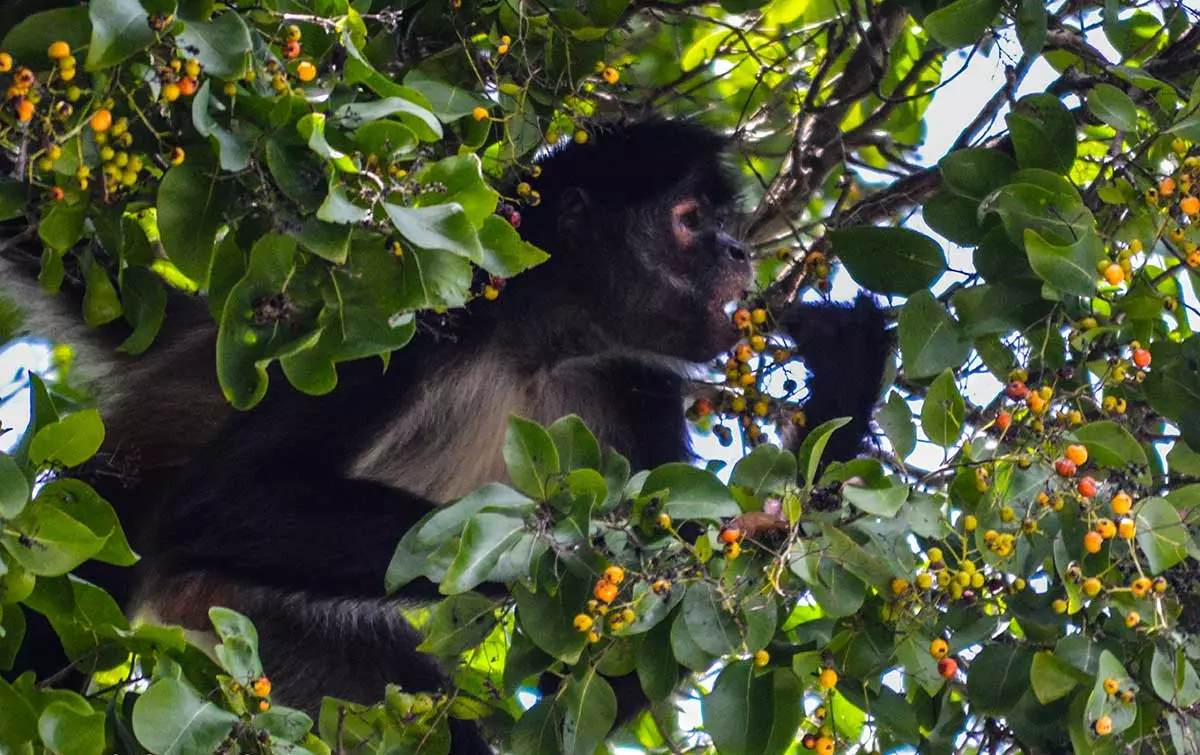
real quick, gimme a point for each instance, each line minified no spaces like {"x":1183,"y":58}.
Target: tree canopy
{"x":327,"y":172}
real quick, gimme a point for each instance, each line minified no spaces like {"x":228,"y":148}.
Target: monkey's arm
{"x":845,"y":349}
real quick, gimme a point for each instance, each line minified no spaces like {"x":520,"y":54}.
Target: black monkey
{"x":290,"y":513}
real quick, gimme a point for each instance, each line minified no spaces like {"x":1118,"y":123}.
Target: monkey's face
{"x":683,"y":267}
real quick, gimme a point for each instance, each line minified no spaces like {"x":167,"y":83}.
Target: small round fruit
{"x":829,"y":678}
{"x":611,"y":75}
{"x":1016,"y":390}
{"x":1077,"y":453}
{"x":939,"y":648}
{"x":1104,"y":726}
{"x":730,"y":535}
{"x":761,"y":658}
{"x":1111,"y":686}
{"x":924,"y":581}
{"x":1141,"y":358}
{"x":1003,"y":421}
{"x":1106,"y":528}
{"x":1126,"y":528}
{"x":1132,"y":619}
{"x":1140,"y":586}
{"x":1114,"y":274}
{"x":970,"y":523}
{"x":935,"y":555}
{"x":1059,"y":606}
{"x":614,"y":574}
{"x":58,"y":50}
{"x":580,"y":137}
{"x":824,"y":746}
{"x":261,"y":687}
{"x":605,"y":591}
{"x":947,"y":668}
{"x":1093,"y":542}
{"x":306,"y":71}
{"x":1091,"y":587}
{"x":583,"y":623}
{"x":479,"y":113}
{"x":171,"y":92}
{"x":809,"y":741}
{"x":1120,"y":504}
{"x":1086,"y":487}
{"x":1065,"y":468}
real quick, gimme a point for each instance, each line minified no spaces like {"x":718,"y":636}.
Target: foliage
{"x":326,"y":173}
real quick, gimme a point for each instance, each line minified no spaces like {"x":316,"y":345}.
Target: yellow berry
{"x":261,"y":686}
{"x":580,"y":137}
{"x":829,"y":678}
{"x":1091,"y":587}
{"x":479,"y":113}
{"x":1060,"y":606}
{"x":614,"y":574}
{"x":939,"y":648}
{"x":171,"y":92}
{"x":761,"y":658}
{"x":177,"y":156}
{"x":970,"y":522}
{"x":1111,"y":686}
{"x":583,"y":622}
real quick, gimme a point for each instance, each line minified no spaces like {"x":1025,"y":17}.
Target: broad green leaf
{"x":170,"y":718}
{"x":691,"y":493}
{"x":27,"y":41}
{"x":1113,"y":106}
{"x":101,"y":305}
{"x":62,"y":227}
{"x":737,"y":713}
{"x":975,"y":172}
{"x":72,"y":727}
{"x":191,"y":207}
{"x":711,"y":625}
{"x":120,"y":29}
{"x":70,"y":441}
{"x":1070,"y":268}
{"x":539,"y":730}
{"x":460,"y":180}
{"x":590,"y":710}
{"x":531,"y":457}
{"x":14,"y":487}
{"x":1174,"y":678}
{"x":1051,"y":678}
{"x":999,"y":675}
{"x":1032,"y":21}
{"x":505,"y":253}
{"x":546,"y":619}
{"x":487,"y":536}
{"x":944,"y":411}
{"x":18,"y":720}
{"x":1100,"y":703}
{"x":962,"y":22}
{"x":424,"y":123}
{"x":449,"y":102}
{"x":577,"y":447}
{"x":889,"y":260}
{"x":764,"y":471}
{"x":312,"y":130}
{"x":442,"y":227}
{"x":896,"y":420}
{"x":931,"y":340}
{"x":457,"y":624}
{"x":144,"y":303}
{"x":222,"y":46}
{"x":50,"y":543}
{"x":1043,"y":133}
{"x":82,"y":503}
{"x":884,"y":499}
{"x":808,"y":458}
{"x":1110,"y":445}
{"x":1160,"y":534}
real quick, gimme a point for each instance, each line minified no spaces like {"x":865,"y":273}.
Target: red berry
{"x":1086,"y":487}
{"x":1065,"y":468}
{"x":703,"y":407}
{"x":1016,"y":390}
{"x":1141,"y":358}
{"x":515,"y":219}
{"x":1003,"y":420}
{"x":947,"y":667}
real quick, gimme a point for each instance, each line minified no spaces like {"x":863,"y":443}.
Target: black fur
{"x":292,"y":511}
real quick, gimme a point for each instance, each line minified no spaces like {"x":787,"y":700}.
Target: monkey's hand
{"x":845,"y":349}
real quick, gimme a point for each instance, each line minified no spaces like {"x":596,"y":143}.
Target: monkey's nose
{"x":738,"y":251}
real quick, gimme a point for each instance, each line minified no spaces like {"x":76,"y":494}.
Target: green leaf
{"x":590,"y":712}
{"x":975,"y":172}
{"x":487,"y":537}
{"x":62,"y":227}
{"x":896,"y":420}
{"x":1161,"y":534}
{"x":882,"y":499}
{"x":458,"y":624}
{"x":577,"y":447}
{"x":14,"y":487}
{"x":691,"y":493}
{"x":460,"y":178}
{"x":748,"y":713}
{"x":312,"y":130}
{"x":1032,"y":20}
{"x":764,"y":471}
{"x":191,"y":208}
{"x":505,"y":253}
{"x":1113,"y":106}
{"x":531,"y":457}
{"x":1174,"y":677}
{"x":120,"y":29}
{"x":710,"y":624}
{"x":546,"y":619}
{"x":808,"y":458}
{"x":931,"y":340}
{"x":1043,"y":133}
{"x":538,"y":732}
{"x":1070,"y":268}
{"x":170,"y":718}
{"x":386,"y":139}
{"x":449,"y":102}
{"x":1101,"y":703}
{"x":1110,"y":445}
{"x":944,"y":411}
{"x":101,"y":304}
{"x":29,"y":39}
{"x":144,"y":304}
{"x":83,"y":504}
{"x":18,"y":720}
{"x":999,"y":675}
{"x":72,"y":728}
{"x":50,"y":543}
{"x":954,"y":217}
{"x":962,"y":22}
{"x":894,"y":261}
{"x":70,"y":441}
{"x":443,"y":227}
{"x":300,"y":176}
{"x":222,"y":46}
{"x":657,"y":669}
{"x":1051,"y":677}
{"x":422,"y":122}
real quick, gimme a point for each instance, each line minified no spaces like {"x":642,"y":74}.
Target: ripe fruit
{"x":1132,"y":619}
{"x":1077,"y":453}
{"x":935,"y":555}
{"x":25,"y":110}
{"x":730,"y":535}
{"x":1120,"y":504}
{"x":1059,"y":606}
{"x":1111,"y":686}
{"x":479,"y":113}
{"x":1160,"y":585}
{"x":809,"y":741}
{"x":661,"y":587}
{"x":261,"y":686}
{"x":1106,"y":528}
{"x":614,"y":574}
{"x":583,"y":623}
{"x":177,"y":156}
{"x":702,"y":407}
{"x":1086,"y":487}
{"x":947,"y":668}
{"x":6,"y":62}
{"x":1114,"y":274}
{"x":1126,"y":528}
{"x":1003,"y":421}
{"x":1065,"y":468}
{"x":1016,"y":390}
{"x":171,"y":92}
{"x":970,"y":522}
{"x":605,"y":591}
{"x":58,"y":50}
{"x":741,"y":317}
{"x":1141,"y":357}
{"x":924,"y":581}
{"x":664,"y":520}
{"x":1104,"y":726}
{"x":291,"y":50}
{"x":1166,"y":187}
{"x":580,"y":137}
{"x":306,"y":71}
{"x":761,"y":658}
{"x":829,"y":678}
{"x":1093,"y":542}
{"x":939,"y":648}
{"x":733,"y":550}
{"x":1091,"y":587}
{"x":824,"y":746}
{"x":611,"y":76}
{"x":1189,"y":205}
{"x":1140,"y":586}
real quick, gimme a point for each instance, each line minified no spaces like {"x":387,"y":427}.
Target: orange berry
{"x":102,"y":120}
{"x":1140,"y":586}
{"x":614,"y":574}
{"x":1065,"y":468}
{"x":824,"y":746}
{"x":1106,"y":528}
{"x":939,"y":648}
{"x":291,"y":50}
{"x":1111,"y":686}
{"x":1092,"y":587}
{"x":605,"y":591}
{"x":479,"y":113}
{"x":188,"y":86}
{"x":1104,"y":726}
{"x":1114,"y":274}
{"x":730,"y":535}
{"x":829,"y":678}
{"x":1016,"y":390}
{"x":58,"y":50}
{"x":1141,"y":358}
{"x":1166,"y":187}
{"x":56,"y":193}
{"x":611,"y":76}
{"x":1126,"y":528}
{"x":171,"y":92}
{"x":25,"y":110}
{"x":1093,"y":542}
{"x":306,"y":71}
{"x":741,"y":317}
{"x":702,"y":407}
{"x":947,"y":668}
{"x":1132,"y":619}
{"x":1086,"y":487}
{"x":1121,"y":503}
{"x":1077,"y":453}
{"x":6,"y":62}
{"x":261,"y":686}
{"x":1003,"y":420}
